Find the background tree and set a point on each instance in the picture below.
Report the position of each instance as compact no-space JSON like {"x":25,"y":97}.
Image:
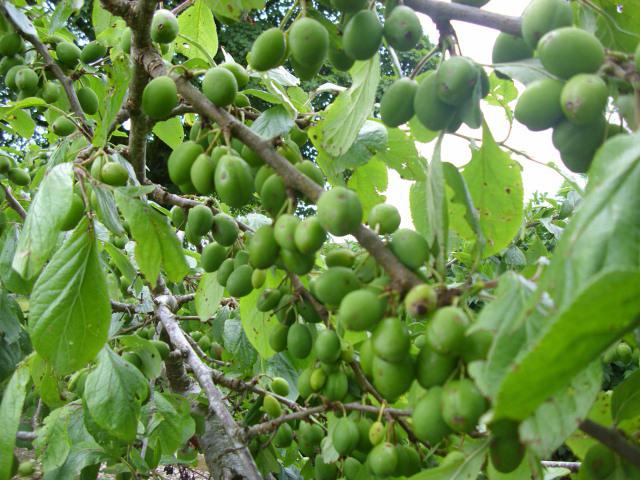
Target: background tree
{"x":197,"y":257}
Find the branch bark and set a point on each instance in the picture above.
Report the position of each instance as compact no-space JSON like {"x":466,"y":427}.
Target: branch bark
{"x":440,"y":11}
{"x":613,"y":440}
{"x":13,"y":202}
{"x":226,"y":457}
{"x":8,"y":11}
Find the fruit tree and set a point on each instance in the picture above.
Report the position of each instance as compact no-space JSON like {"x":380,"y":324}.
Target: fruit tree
{"x":199,"y":270}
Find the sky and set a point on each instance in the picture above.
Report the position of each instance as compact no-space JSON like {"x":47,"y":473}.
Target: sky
{"x":477,"y":43}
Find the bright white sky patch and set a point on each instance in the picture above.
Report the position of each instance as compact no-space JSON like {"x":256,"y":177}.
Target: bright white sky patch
{"x":477,"y":42}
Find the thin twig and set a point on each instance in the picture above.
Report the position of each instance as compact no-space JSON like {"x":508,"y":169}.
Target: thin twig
{"x":13,"y":202}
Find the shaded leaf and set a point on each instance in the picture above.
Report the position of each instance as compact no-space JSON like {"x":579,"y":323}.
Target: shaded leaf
{"x":372,"y":138}
{"x":10,"y":411}
{"x":436,"y":209}
{"x":113,"y":392}
{"x":625,"y":402}
{"x":172,"y":424}
{"x":273,"y":122}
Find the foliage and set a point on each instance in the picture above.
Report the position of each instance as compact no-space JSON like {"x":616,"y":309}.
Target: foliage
{"x":210,"y":271}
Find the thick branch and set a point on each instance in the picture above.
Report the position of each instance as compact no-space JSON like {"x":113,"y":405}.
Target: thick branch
{"x":440,"y":11}
{"x":613,"y":440}
{"x":8,"y":11}
{"x":140,"y":23}
{"x":237,"y":457}
{"x":401,"y":276}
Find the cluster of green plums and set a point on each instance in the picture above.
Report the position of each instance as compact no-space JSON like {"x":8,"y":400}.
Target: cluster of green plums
{"x":573,"y":98}
{"x":33,"y":80}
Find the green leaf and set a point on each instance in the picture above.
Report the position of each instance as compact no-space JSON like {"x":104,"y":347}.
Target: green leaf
{"x":156,"y":242}
{"x":469,"y":469}
{"x":11,"y":108}
{"x":256,"y":324}
{"x":616,"y":23}
{"x":119,"y":74}
{"x":172,"y":425}
{"x":461,"y":207}
{"x":504,"y":318}
{"x":170,"y":132}
{"x":106,"y":208}
{"x":625,"y":402}
{"x":369,"y":181}
{"x":235,"y":341}
{"x":402,"y":155}
{"x":114,"y":392}
{"x":14,"y":340}
{"x":565,"y":410}
{"x":420,"y":133}
{"x":417,"y":201}
{"x":101,"y":18}
{"x":9,"y":277}
{"x":372,"y":138}
{"x":344,"y":118}
{"x":495,"y":183}
{"x":10,"y":411}
{"x":579,"y":442}
{"x":46,"y":382}
{"x":233,"y":8}
{"x":601,"y":313}
{"x":197,"y":23}
{"x":436,"y":209}
{"x":22,"y":123}
{"x":53,"y":443}
{"x":44,"y":220}
{"x":524,"y":71}
{"x":121,"y":262}
{"x":273,"y":122}
{"x":602,"y":235}
{"x":70,"y":311}
{"x":208,"y":296}
{"x":151,"y":362}
{"x":65,"y":446}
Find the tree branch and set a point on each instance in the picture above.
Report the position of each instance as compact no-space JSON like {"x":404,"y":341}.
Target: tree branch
{"x":13,"y":202}
{"x":26,"y":436}
{"x":440,"y":11}
{"x":368,"y":387}
{"x":271,"y":425}
{"x":402,"y":277}
{"x":9,"y":12}
{"x":238,"y":458}
{"x":613,"y":440}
